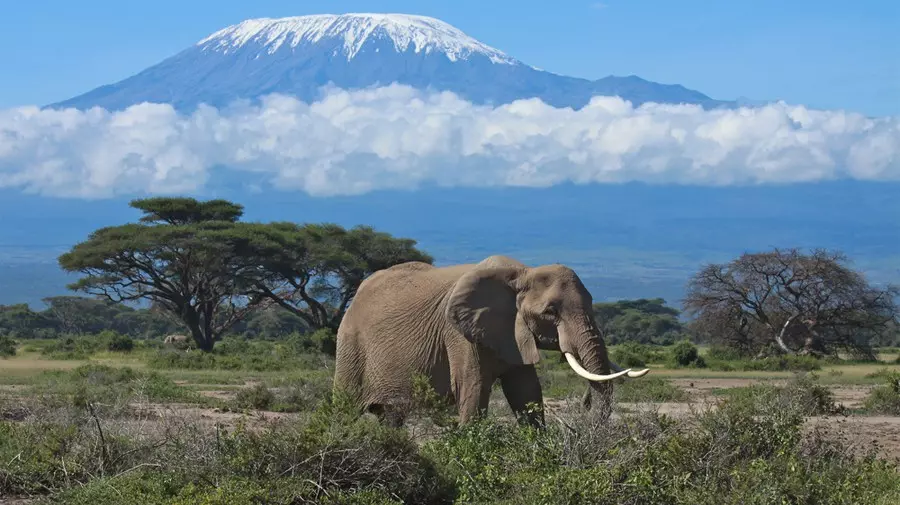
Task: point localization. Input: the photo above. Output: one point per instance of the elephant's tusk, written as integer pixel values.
(588, 375)
(632, 375)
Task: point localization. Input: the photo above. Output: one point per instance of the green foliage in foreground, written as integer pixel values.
(751, 450)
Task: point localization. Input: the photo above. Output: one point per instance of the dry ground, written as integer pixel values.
(862, 432)
(848, 385)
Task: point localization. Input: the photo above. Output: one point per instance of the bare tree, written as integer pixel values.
(802, 303)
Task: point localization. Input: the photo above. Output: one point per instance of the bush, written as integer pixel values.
(255, 397)
(322, 341)
(76, 347)
(112, 387)
(786, 362)
(722, 353)
(275, 358)
(801, 394)
(332, 457)
(7, 346)
(743, 452)
(633, 354)
(116, 342)
(685, 354)
(885, 398)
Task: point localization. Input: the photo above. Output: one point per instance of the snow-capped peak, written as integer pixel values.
(404, 30)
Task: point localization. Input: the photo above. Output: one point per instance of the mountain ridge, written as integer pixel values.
(300, 55)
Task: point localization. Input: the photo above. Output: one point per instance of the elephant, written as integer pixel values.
(464, 327)
(176, 340)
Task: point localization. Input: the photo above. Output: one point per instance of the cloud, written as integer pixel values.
(352, 142)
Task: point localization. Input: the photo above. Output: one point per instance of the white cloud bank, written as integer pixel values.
(392, 137)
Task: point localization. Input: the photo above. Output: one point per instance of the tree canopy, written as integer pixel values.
(790, 301)
(198, 262)
(648, 321)
(314, 270)
(174, 256)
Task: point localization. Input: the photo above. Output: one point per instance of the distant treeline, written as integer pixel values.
(648, 321)
(78, 315)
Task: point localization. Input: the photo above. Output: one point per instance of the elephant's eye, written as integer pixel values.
(550, 310)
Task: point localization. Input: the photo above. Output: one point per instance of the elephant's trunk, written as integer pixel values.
(582, 344)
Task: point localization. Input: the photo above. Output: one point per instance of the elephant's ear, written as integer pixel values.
(482, 306)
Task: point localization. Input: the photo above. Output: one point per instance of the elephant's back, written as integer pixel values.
(402, 290)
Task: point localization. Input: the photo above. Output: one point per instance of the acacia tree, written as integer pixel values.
(314, 270)
(176, 258)
(802, 303)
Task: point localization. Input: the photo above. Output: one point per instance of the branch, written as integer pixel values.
(779, 337)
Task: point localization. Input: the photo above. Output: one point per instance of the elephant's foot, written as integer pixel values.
(533, 417)
(388, 414)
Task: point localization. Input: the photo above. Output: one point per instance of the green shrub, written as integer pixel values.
(72, 347)
(740, 453)
(234, 353)
(722, 353)
(296, 394)
(685, 354)
(116, 342)
(634, 354)
(302, 394)
(885, 398)
(801, 394)
(752, 449)
(334, 456)
(93, 383)
(255, 397)
(7, 346)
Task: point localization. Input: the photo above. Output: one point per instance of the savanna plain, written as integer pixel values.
(104, 419)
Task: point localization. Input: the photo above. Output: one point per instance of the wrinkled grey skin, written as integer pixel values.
(464, 327)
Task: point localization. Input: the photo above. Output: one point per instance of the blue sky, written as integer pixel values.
(824, 54)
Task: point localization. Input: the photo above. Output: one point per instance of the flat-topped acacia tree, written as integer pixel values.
(196, 261)
(175, 257)
(314, 270)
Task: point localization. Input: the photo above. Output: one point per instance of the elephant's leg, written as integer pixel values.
(472, 374)
(522, 387)
(472, 397)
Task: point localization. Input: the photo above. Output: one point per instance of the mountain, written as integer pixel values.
(299, 55)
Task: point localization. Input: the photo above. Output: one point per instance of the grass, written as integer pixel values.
(750, 450)
(81, 434)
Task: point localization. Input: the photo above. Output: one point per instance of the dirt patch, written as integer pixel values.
(218, 394)
(880, 434)
(205, 415)
(705, 387)
(849, 396)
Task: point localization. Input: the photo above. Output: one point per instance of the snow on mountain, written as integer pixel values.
(299, 55)
(424, 34)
